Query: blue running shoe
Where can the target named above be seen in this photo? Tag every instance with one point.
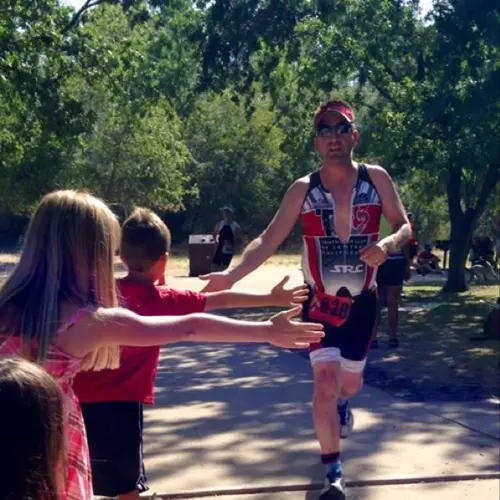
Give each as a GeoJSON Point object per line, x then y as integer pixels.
{"type": "Point", "coordinates": [334, 485]}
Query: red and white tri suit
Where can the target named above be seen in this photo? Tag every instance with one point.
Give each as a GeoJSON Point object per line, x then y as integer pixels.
{"type": "Point", "coordinates": [343, 288]}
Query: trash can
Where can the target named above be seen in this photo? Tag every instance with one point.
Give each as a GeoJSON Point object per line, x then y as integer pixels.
{"type": "Point", "coordinates": [201, 248]}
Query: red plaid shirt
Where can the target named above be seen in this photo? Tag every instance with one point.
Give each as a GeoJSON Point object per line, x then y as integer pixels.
{"type": "Point", "coordinates": [77, 482]}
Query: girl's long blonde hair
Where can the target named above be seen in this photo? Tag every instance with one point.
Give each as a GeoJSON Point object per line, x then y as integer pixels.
{"type": "Point", "coordinates": [67, 257]}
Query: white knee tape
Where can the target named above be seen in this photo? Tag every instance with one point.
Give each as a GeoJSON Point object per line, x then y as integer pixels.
{"type": "Point", "coordinates": [352, 366]}
{"type": "Point", "coordinates": [325, 355]}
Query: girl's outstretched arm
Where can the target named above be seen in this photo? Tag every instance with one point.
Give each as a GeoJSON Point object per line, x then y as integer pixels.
{"type": "Point", "coordinates": [123, 327]}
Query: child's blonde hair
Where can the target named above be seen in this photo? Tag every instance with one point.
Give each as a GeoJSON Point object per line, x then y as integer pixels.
{"type": "Point", "coordinates": [67, 256]}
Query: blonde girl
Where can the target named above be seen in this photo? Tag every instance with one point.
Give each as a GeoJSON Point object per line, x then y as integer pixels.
{"type": "Point", "coordinates": [59, 308]}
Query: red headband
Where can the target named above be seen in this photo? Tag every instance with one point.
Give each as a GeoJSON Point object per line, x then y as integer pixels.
{"type": "Point", "coordinates": [336, 107]}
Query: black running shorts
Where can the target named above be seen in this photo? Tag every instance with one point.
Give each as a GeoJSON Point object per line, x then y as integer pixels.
{"type": "Point", "coordinates": [391, 273]}
{"type": "Point", "coordinates": [354, 337]}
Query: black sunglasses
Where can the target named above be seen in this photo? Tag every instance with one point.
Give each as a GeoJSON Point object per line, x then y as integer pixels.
{"type": "Point", "coordinates": [341, 128]}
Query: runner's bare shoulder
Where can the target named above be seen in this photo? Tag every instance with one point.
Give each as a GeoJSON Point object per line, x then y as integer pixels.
{"type": "Point", "coordinates": [300, 186]}
{"type": "Point", "coordinates": [294, 198]}
{"type": "Point", "coordinates": [376, 172]}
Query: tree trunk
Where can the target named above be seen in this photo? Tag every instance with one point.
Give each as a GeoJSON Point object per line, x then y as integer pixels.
{"type": "Point", "coordinates": [462, 227]}
{"type": "Point", "coordinates": [463, 224]}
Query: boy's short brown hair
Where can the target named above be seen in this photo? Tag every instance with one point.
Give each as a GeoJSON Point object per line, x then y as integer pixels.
{"type": "Point", "coordinates": [145, 238]}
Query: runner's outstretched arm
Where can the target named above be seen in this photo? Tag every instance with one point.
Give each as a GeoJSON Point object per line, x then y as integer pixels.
{"type": "Point", "coordinates": [260, 249]}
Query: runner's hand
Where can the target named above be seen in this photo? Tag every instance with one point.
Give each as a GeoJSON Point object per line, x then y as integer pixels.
{"type": "Point", "coordinates": [373, 255]}
{"type": "Point", "coordinates": [293, 335]}
{"type": "Point", "coordinates": [282, 297]}
{"type": "Point", "coordinates": [217, 281]}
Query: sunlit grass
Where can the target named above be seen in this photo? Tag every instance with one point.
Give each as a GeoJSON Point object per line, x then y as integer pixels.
{"type": "Point", "coordinates": [178, 262]}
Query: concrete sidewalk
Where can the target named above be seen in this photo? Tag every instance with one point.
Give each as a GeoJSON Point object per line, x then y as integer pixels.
{"type": "Point", "coordinates": [238, 417]}
{"type": "Point", "coordinates": [463, 490]}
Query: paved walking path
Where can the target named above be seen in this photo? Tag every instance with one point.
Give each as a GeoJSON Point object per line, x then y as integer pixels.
{"type": "Point", "coordinates": [463, 490]}
{"type": "Point", "coordinates": [231, 417]}
{"type": "Point", "coordinates": [236, 421]}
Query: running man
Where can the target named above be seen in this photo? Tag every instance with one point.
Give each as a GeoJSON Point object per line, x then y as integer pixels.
{"type": "Point", "coordinates": [339, 208]}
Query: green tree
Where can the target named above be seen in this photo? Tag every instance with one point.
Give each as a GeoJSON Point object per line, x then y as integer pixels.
{"type": "Point", "coordinates": [422, 197]}
{"type": "Point", "coordinates": [41, 123]}
{"type": "Point", "coordinates": [234, 31]}
{"type": "Point", "coordinates": [239, 160]}
{"type": "Point", "coordinates": [134, 160]}
{"type": "Point", "coordinates": [437, 101]}
{"type": "Point", "coordinates": [135, 153]}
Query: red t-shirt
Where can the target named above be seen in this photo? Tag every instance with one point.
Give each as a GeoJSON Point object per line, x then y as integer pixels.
{"type": "Point", "coordinates": [425, 255]}
{"type": "Point", "coordinates": [134, 380]}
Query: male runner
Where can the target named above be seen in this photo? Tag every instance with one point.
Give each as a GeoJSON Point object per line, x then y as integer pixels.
{"type": "Point", "coordinates": [339, 208]}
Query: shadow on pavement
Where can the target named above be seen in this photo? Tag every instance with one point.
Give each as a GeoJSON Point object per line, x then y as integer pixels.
{"type": "Point", "coordinates": [236, 416]}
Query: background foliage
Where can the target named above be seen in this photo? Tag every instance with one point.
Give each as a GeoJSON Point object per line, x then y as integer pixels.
{"type": "Point", "coordinates": [185, 105]}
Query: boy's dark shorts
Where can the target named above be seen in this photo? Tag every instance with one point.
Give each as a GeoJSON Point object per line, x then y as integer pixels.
{"type": "Point", "coordinates": [114, 433]}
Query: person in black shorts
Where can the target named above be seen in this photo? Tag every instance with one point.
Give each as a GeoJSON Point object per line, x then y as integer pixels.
{"type": "Point", "coordinates": [227, 234]}
{"type": "Point", "coordinates": [390, 278]}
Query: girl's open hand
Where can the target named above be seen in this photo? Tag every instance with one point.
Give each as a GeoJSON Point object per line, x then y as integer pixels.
{"type": "Point", "coordinates": [292, 334]}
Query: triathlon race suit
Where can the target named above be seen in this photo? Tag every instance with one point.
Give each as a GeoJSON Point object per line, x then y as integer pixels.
{"type": "Point", "coordinates": [342, 288]}
{"type": "Point", "coordinates": [225, 245]}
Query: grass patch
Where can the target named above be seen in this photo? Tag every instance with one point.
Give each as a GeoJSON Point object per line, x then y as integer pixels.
{"type": "Point", "coordinates": [178, 262]}
{"type": "Point", "coordinates": [437, 357]}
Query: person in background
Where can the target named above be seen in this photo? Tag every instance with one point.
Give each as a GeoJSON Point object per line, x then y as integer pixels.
{"type": "Point", "coordinates": [427, 262]}
{"type": "Point", "coordinates": [31, 432]}
{"type": "Point", "coordinates": [228, 236]}
{"type": "Point", "coordinates": [390, 278]}
{"type": "Point", "coordinates": [482, 250]}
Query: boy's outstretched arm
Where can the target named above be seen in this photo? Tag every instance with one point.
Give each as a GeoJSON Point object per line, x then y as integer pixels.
{"type": "Point", "coordinates": [278, 296]}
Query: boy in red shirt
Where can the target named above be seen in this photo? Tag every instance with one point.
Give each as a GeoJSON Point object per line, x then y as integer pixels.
{"type": "Point", "coordinates": [112, 400]}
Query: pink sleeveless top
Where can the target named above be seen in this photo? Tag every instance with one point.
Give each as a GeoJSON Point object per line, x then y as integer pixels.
{"type": "Point", "coordinates": [63, 367]}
